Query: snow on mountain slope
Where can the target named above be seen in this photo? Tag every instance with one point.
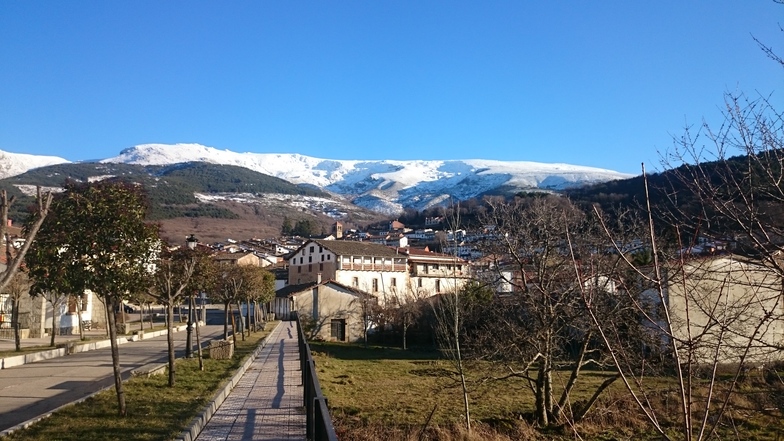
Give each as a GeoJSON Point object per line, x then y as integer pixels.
{"type": "Point", "coordinates": [385, 185]}
{"type": "Point", "coordinates": [12, 164]}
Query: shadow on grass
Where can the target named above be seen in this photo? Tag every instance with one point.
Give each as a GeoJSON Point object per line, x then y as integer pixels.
{"type": "Point", "coordinates": [357, 351]}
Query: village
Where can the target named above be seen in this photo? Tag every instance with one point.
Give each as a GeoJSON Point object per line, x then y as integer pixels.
{"type": "Point", "coordinates": [335, 282]}
{"type": "Point", "coordinates": [345, 266]}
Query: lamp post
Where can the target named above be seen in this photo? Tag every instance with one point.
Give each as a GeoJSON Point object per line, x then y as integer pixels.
{"type": "Point", "coordinates": [190, 242]}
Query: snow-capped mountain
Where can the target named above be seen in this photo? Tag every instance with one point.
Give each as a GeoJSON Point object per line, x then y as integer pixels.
{"type": "Point", "coordinates": [386, 186]}
{"type": "Point", "coordinates": [12, 164]}
{"type": "Point", "coordinates": [383, 185]}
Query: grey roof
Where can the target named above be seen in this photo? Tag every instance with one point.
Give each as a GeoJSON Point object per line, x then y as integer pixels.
{"type": "Point", "coordinates": [288, 290]}
{"type": "Point", "coordinates": [354, 248]}
{"type": "Point", "coordinates": [293, 289]}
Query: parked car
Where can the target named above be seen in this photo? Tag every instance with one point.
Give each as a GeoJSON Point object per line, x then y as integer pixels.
{"type": "Point", "coordinates": [126, 308]}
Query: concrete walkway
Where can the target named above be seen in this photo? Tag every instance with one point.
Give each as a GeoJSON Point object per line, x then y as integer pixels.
{"type": "Point", "coordinates": [266, 404]}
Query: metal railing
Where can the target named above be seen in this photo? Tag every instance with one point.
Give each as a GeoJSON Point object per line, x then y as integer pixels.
{"type": "Point", "coordinates": [318, 421]}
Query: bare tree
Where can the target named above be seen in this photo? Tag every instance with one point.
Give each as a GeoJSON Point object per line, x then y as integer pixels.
{"type": "Point", "coordinates": [407, 306]}
{"type": "Point", "coordinates": [449, 325]}
{"type": "Point", "coordinates": [203, 280]}
{"type": "Point", "coordinates": [16, 288]}
{"type": "Point", "coordinates": [701, 311]}
{"type": "Point", "coordinates": [229, 289]}
{"type": "Point", "coordinates": [173, 271]}
{"type": "Point", "coordinates": [539, 325]}
{"type": "Point", "coordinates": [448, 328]}
{"type": "Point", "coordinates": [14, 258]}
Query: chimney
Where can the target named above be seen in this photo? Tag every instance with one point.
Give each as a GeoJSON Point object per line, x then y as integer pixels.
{"type": "Point", "coordinates": [318, 278]}
{"type": "Point", "coordinates": [10, 222]}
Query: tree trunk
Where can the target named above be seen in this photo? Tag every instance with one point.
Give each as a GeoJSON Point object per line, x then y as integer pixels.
{"type": "Point", "coordinates": [541, 409]}
{"type": "Point", "coordinates": [547, 379]}
{"type": "Point", "coordinates": [584, 410]}
{"type": "Point", "coordinates": [109, 312]}
{"type": "Point", "coordinates": [466, 407]}
{"type": "Point", "coordinates": [255, 316]}
{"type": "Point", "coordinates": [15, 323]}
{"type": "Point", "coordinates": [170, 341]}
{"type": "Point", "coordinates": [548, 391]}
{"type": "Point", "coordinates": [461, 371]}
{"type": "Point", "coordinates": [198, 343]}
{"type": "Point", "coordinates": [111, 304]}
{"type": "Point", "coordinates": [578, 364]}
{"type": "Point", "coordinates": [249, 328]}
{"type": "Point", "coordinates": [242, 320]}
{"type": "Point", "coordinates": [79, 316]}
{"type": "Point", "coordinates": [233, 330]}
{"type": "Point", "coordinates": [55, 328]}
{"type": "Point", "coordinates": [226, 312]}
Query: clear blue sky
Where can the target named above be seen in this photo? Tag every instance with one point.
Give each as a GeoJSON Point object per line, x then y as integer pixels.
{"type": "Point", "coordinates": [600, 83]}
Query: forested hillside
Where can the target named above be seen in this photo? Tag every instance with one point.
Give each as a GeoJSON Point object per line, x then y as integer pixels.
{"type": "Point", "coordinates": [170, 188]}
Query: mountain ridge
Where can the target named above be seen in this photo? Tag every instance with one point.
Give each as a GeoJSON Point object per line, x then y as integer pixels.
{"type": "Point", "coordinates": [385, 186]}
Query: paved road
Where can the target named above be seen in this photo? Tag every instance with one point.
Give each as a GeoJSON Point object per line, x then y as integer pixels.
{"type": "Point", "coordinates": [32, 390]}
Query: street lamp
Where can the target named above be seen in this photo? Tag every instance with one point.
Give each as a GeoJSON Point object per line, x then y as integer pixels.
{"type": "Point", "coordinates": [190, 242]}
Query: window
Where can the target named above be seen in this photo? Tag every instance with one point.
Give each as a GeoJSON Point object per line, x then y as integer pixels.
{"type": "Point", "coordinates": [337, 329]}
{"type": "Point", "coordinates": [329, 256]}
{"type": "Point", "coordinates": [355, 282]}
{"type": "Point", "coordinates": [312, 248]}
{"type": "Point", "coordinates": [322, 257]}
{"type": "Point", "coordinates": [375, 285]}
{"type": "Point", "coordinates": [310, 259]}
{"type": "Point", "coordinates": [419, 282]}
{"type": "Point", "coordinates": [299, 269]}
{"type": "Point", "coordinates": [438, 286]}
{"type": "Point", "coordinates": [321, 267]}
{"type": "Point", "coordinates": [321, 249]}
{"type": "Point", "coordinates": [310, 268]}
{"type": "Point", "coordinates": [435, 266]}
{"type": "Point", "coordinates": [393, 282]}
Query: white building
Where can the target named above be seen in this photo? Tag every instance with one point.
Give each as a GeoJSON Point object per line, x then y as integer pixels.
{"type": "Point", "coordinates": [391, 274]}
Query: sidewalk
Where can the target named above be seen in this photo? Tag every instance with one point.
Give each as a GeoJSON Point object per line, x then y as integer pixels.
{"type": "Point", "coordinates": [267, 403]}
{"type": "Point", "coordinates": [8, 344]}
{"type": "Point", "coordinates": [30, 392]}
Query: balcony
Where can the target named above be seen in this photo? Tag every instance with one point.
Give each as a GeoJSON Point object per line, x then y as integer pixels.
{"type": "Point", "coordinates": [400, 267]}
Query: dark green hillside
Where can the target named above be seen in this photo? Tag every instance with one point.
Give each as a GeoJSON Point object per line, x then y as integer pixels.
{"type": "Point", "coordinates": [169, 188]}
{"type": "Point", "coordinates": [55, 175]}
{"type": "Point", "coordinates": [675, 186]}
{"type": "Point", "coordinates": [212, 178]}
{"type": "Point", "coordinates": [737, 198]}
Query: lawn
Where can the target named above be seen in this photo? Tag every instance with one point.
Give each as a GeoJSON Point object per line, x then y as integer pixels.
{"type": "Point", "coordinates": [155, 411]}
{"type": "Point", "coordinates": [388, 393]}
